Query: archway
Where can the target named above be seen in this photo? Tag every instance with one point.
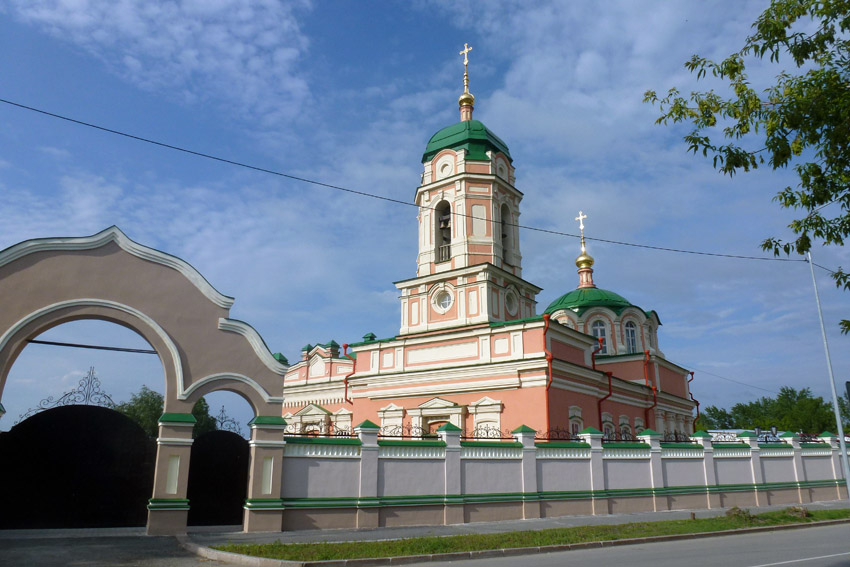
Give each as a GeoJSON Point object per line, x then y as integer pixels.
{"type": "Point", "coordinates": [109, 277]}
{"type": "Point", "coordinates": [218, 477]}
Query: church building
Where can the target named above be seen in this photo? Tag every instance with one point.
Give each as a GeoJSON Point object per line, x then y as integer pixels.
{"type": "Point", "coordinates": [472, 350]}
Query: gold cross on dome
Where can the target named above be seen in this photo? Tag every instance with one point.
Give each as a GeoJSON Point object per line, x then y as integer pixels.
{"type": "Point", "coordinates": [580, 218]}
{"type": "Point", "coordinates": [466, 50]}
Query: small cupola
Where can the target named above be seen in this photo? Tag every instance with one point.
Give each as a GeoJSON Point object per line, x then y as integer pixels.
{"type": "Point", "coordinates": [584, 262]}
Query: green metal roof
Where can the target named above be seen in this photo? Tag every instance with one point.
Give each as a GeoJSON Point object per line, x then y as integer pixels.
{"type": "Point", "coordinates": [470, 135]}
{"type": "Point", "coordinates": [582, 299]}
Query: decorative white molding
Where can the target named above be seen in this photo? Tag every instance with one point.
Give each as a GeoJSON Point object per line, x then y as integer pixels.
{"type": "Point", "coordinates": [267, 444]}
{"type": "Point", "coordinates": [783, 452]}
{"type": "Point", "coordinates": [90, 302]}
{"type": "Point", "coordinates": [478, 386]}
{"type": "Point", "coordinates": [232, 376]}
{"type": "Point", "coordinates": [437, 403]}
{"type": "Point", "coordinates": [681, 453]}
{"type": "Point", "coordinates": [312, 410]}
{"type": "Point", "coordinates": [492, 453]}
{"type": "Point", "coordinates": [411, 452]}
{"type": "Point", "coordinates": [442, 353]}
{"type": "Point", "coordinates": [325, 451]}
{"type": "Point", "coordinates": [114, 234]}
{"type": "Point", "coordinates": [617, 453]}
{"type": "Point", "coordinates": [732, 453]}
{"type": "Point", "coordinates": [256, 341]}
{"type": "Point", "coordinates": [174, 441]}
{"type": "Point", "coordinates": [563, 453]}
{"type": "Point", "coordinates": [816, 452]}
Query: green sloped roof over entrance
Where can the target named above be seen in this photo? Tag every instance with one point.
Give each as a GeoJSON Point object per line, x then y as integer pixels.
{"type": "Point", "coordinates": [470, 135]}
{"type": "Point", "coordinates": [582, 299]}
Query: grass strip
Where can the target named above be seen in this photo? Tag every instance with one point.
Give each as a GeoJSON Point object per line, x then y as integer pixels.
{"type": "Point", "coordinates": [449, 544]}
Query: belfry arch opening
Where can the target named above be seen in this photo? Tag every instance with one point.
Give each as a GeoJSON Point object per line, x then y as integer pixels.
{"type": "Point", "coordinates": [443, 231]}
{"type": "Point", "coordinates": [505, 232]}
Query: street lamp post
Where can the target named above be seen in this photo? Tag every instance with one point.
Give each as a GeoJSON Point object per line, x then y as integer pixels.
{"type": "Point", "coordinates": [845, 465]}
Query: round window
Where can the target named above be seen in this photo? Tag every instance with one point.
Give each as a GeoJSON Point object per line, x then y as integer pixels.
{"type": "Point", "coordinates": [443, 301]}
{"type": "Point", "coordinates": [511, 303]}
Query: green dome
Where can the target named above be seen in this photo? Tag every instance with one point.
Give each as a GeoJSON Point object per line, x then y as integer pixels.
{"type": "Point", "coordinates": [470, 135]}
{"type": "Point", "coordinates": [584, 298]}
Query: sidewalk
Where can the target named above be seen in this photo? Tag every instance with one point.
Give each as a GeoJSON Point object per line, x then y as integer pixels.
{"type": "Point", "coordinates": [217, 536]}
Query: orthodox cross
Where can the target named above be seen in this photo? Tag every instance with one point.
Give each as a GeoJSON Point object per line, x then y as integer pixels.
{"type": "Point", "coordinates": [580, 218]}
{"type": "Point", "coordinates": [466, 50]}
{"type": "Point", "coordinates": [465, 53]}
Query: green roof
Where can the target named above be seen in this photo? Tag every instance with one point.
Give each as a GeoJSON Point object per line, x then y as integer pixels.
{"type": "Point", "coordinates": [582, 299]}
{"type": "Point", "coordinates": [470, 135]}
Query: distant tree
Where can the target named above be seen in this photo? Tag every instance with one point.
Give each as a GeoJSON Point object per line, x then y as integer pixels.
{"type": "Point", "coordinates": [145, 408]}
{"type": "Point", "coordinates": [714, 417]}
{"type": "Point", "coordinates": [799, 118]}
{"type": "Point", "coordinates": [792, 410]}
{"type": "Point", "coordinates": [206, 422]}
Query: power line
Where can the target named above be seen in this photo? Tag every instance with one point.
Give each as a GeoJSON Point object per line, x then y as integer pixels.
{"type": "Point", "coordinates": [94, 347]}
{"type": "Point", "coordinates": [375, 196]}
{"type": "Point", "coordinates": [734, 381]}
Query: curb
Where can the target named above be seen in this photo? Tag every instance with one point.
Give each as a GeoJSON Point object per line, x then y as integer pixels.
{"type": "Point", "coordinates": [247, 560]}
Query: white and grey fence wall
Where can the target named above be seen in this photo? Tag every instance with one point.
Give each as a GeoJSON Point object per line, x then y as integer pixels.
{"type": "Point", "coordinates": [367, 481]}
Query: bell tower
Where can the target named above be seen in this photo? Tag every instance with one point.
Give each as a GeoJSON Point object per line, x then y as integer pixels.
{"type": "Point", "coordinates": [468, 215]}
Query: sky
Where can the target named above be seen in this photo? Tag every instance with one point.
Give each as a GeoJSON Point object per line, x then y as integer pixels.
{"type": "Point", "coordinates": [348, 94]}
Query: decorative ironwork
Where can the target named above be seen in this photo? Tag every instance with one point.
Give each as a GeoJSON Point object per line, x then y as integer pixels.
{"type": "Point", "coordinates": [487, 432]}
{"type": "Point", "coordinates": [87, 393]}
{"type": "Point", "coordinates": [724, 437]}
{"type": "Point", "coordinates": [810, 438]}
{"type": "Point", "coordinates": [769, 436]}
{"type": "Point", "coordinates": [622, 436]}
{"type": "Point", "coordinates": [676, 437]}
{"type": "Point", "coordinates": [556, 434]}
{"type": "Point", "coordinates": [224, 422]}
{"type": "Point", "coordinates": [406, 431]}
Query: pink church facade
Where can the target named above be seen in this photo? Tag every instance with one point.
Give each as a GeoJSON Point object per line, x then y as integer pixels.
{"type": "Point", "coordinates": [472, 350]}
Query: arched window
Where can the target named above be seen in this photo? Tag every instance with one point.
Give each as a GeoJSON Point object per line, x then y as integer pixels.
{"type": "Point", "coordinates": [576, 426]}
{"type": "Point", "coordinates": [631, 337]}
{"type": "Point", "coordinates": [608, 431]}
{"type": "Point", "coordinates": [505, 214]}
{"type": "Point", "coordinates": [443, 231]}
{"type": "Point", "coordinates": [599, 330]}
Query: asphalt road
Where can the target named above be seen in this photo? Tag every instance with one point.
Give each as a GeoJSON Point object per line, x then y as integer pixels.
{"type": "Point", "coordinates": [827, 546]}
{"type": "Point", "coordinates": [98, 551]}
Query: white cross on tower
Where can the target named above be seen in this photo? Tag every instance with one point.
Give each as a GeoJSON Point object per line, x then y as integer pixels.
{"type": "Point", "coordinates": [580, 218]}
{"type": "Point", "coordinates": [466, 49]}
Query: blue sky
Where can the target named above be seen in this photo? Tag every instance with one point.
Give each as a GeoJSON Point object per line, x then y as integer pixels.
{"type": "Point", "coordinates": [348, 94]}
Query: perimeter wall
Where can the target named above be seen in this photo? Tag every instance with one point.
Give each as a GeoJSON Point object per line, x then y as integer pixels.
{"type": "Point", "coordinates": [365, 481]}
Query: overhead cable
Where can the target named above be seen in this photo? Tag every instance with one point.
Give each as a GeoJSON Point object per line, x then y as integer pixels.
{"type": "Point", "coordinates": [375, 196]}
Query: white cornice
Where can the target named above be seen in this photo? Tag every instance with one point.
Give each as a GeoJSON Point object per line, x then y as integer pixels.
{"type": "Point", "coordinates": [434, 389]}
{"type": "Point", "coordinates": [256, 341]}
{"type": "Point", "coordinates": [448, 374]}
{"type": "Point", "coordinates": [474, 269]}
{"type": "Point", "coordinates": [114, 234]}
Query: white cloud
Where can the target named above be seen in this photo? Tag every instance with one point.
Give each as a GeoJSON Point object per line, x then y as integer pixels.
{"type": "Point", "coordinates": [242, 54]}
